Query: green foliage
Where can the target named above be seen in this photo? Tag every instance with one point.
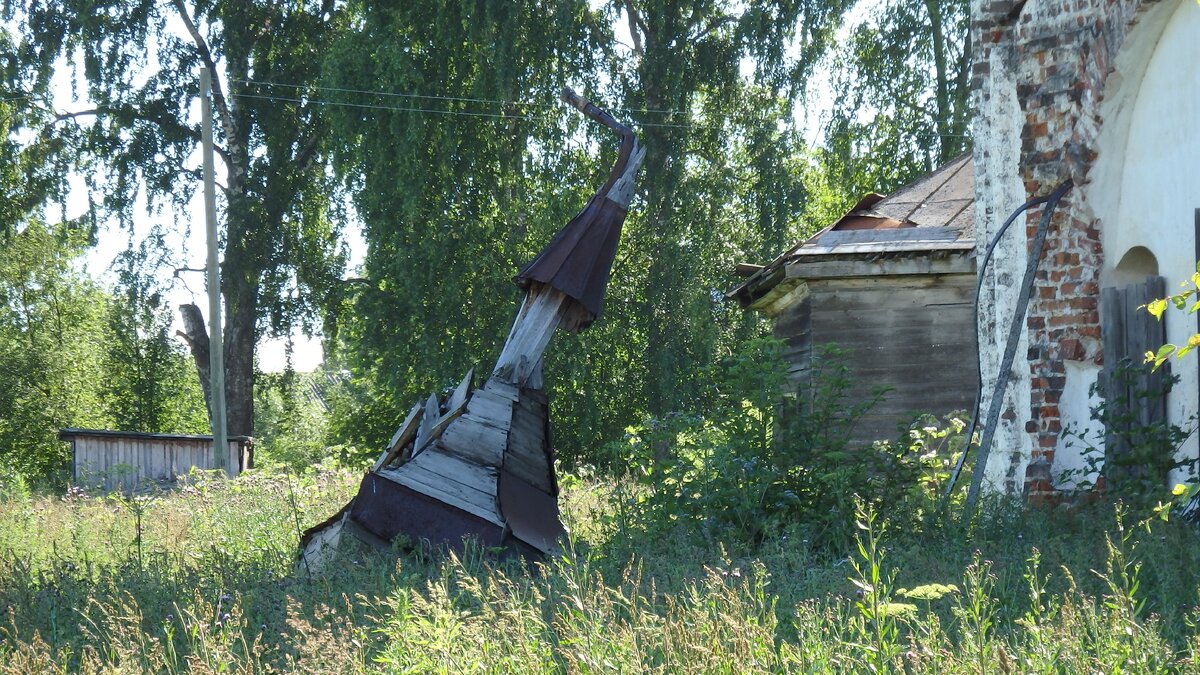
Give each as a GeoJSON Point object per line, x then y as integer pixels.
{"type": "Point", "coordinates": [134, 136]}
{"type": "Point", "coordinates": [483, 184]}
{"type": "Point", "coordinates": [204, 580]}
{"type": "Point", "coordinates": [1184, 301]}
{"type": "Point", "coordinates": [149, 384]}
{"type": "Point", "coordinates": [52, 330]}
{"type": "Point", "coordinates": [752, 465]}
{"type": "Point", "coordinates": [454, 194]}
{"type": "Point", "coordinates": [904, 86]}
{"type": "Point", "coordinates": [71, 355]}
{"type": "Point", "coordinates": [292, 420]}
{"type": "Point", "coordinates": [1135, 458]}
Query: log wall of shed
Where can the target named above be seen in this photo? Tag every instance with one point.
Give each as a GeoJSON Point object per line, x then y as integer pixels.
{"type": "Point", "coordinates": [910, 334]}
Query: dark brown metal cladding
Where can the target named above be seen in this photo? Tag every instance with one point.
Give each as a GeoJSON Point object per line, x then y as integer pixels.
{"type": "Point", "coordinates": [531, 514]}
{"type": "Point", "coordinates": [387, 509]}
{"type": "Point", "coordinates": [578, 260]}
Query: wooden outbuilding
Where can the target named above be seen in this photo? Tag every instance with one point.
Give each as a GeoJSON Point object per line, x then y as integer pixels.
{"type": "Point", "coordinates": [130, 460]}
{"type": "Point", "coordinates": [893, 284]}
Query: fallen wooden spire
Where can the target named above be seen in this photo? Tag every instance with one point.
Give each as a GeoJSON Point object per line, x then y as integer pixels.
{"type": "Point", "coordinates": [479, 462]}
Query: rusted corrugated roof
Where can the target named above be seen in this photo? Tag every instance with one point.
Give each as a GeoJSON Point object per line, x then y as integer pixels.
{"type": "Point", "coordinates": [934, 213]}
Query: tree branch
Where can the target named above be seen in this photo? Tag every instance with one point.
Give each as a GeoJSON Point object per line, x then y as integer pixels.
{"type": "Point", "coordinates": [712, 27]}
{"type": "Point", "coordinates": [636, 24]}
{"type": "Point", "coordinates": [218, 92]}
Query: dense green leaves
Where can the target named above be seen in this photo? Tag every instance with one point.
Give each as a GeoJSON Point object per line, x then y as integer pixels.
{"type": "Point", "coordinates": [903, 83]}
{"type": "Point", "coordinates": [436, 124]}
{"type": "Point", "coordinates": [71, 355]}
{"type": "Point", "coordinates": [134, 138]}
{"type": "Point", "coordinates": [148, 383]}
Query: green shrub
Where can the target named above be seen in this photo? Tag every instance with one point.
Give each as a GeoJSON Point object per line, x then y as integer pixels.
{"type": "Point", "coordinates": [765, 459]}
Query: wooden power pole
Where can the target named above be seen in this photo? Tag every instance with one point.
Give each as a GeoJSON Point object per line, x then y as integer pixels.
{"type": "Point", "coordinates": [216, 352]}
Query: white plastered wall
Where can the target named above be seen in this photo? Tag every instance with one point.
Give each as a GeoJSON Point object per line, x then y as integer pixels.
{"type": "Point", "coordinates": [999, 190]}
{"type": "Point", "coordinates": [1145, 184]}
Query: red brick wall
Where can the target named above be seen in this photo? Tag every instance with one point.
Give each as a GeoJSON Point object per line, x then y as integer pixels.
{"type": "Point", "coordinates": [1059, 54]}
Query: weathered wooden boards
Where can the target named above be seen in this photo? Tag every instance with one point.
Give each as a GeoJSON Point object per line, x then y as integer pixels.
{"type": "Point", "coordinates": [906, 334]}
{"type": "Point", "coordinates": [540, 315]}
{"type": "Point", "coordinates": [456, 454]}
{"type": "Point", "coordinates": [1135, 395]}
{"type": "Point", "coordinates": [115, 460]}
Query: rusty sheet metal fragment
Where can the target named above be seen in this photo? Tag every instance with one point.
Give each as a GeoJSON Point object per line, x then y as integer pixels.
{"type": "Point", "coordinates": [532, 515]}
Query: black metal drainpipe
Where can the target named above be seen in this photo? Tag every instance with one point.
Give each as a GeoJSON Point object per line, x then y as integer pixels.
{"type": "Point", "coordinates": [1014, 337]}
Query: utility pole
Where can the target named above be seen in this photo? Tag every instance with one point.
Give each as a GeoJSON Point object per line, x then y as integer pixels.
{"type": "Point", "coordinates": [216, 351]}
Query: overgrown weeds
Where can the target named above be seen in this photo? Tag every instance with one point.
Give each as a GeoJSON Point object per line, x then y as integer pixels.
{"type": "Point", "coordinates": [753, 466]}
{"type": "Point", "coordinates": [215, 589]}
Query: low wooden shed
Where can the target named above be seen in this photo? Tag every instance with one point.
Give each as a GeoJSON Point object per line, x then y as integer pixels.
{"type": "Point", "coordinates": [128, 460]}
{"type": "Point", "coordinates": [892, 283]}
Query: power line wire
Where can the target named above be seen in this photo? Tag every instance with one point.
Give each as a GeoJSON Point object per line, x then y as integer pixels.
{"type": "Point", "coordinates": [500, 102]}
{"type": "Point", "coordinates": [434, 111]}
{"type": "Point", "coordinates": [507, 116]}
{"type": "Point", "coordinates": [434, 97]}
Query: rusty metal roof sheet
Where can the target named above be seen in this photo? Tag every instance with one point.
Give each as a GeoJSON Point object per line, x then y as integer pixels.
{"type": "Point", "coordinates": [578, 260]}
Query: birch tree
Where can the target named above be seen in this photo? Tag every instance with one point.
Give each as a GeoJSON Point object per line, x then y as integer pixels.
{"type": "Point", "coordinates": [135, 135]}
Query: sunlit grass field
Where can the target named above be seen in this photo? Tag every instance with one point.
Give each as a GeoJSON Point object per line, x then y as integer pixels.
{"type": "Point", "coordinates": [203, 579]}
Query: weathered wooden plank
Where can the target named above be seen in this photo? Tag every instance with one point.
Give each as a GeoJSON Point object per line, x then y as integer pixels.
{"type": "Point", "coordinates": [428, 419]}
{"type": "Point", "coordinates": [530, 473]}
{"type": "Point", "coordinates": [460, 394]}
{"type": "Point", "coordinates": [451, 492]}
{"type": "Point", "coordinates": [527, 431]}
{"type": "Point", "coordinates": [454, 468]}
{"type": "Point", "coordinates": [534, 326]}
{"type": "Point", "coordinates": [475, 440]}
{"type": "Point", "coordinates": [490, 408]}
{"type": "Point", "coordinates": [502, 389]}
{"type": "Point", "coordinates": [404, 433]}
{"type": "Point", "coordinates": [840, 237]}
{"type": "Point", "coordinates": [820, 267]}
{"type": "Point", "coordinates": [439, 427]}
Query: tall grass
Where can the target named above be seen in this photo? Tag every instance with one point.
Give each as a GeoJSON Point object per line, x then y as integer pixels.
{"type": "Point", "coordinates": [203, 580]}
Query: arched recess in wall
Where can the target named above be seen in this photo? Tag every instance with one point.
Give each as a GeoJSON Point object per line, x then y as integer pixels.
{"type": "Point", "coordinates": [1134, 266]}
{"type": "Point", "coordinates": [1143, 187]}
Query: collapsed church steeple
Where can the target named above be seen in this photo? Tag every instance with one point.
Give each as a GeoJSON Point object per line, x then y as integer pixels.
{"type": "Point", "coordinates": [478, 462]}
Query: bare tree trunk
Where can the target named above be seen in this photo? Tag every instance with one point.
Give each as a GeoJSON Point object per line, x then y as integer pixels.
{"type": "Point", "coordinates": [242, 314]}
{"type": "Point", "coordinates": [196, 335]}
{"type": "Point", "coordinates": [239, 364]}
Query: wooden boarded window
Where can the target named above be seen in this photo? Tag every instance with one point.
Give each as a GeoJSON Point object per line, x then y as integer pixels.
{"type": "Point", "coordinates": [1137, 446]}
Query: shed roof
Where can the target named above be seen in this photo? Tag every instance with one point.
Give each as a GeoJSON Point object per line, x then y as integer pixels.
{"type": "Point", "coordinates": [73, 432]}
{"type": "Point", "coordinates": [935, 213]}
